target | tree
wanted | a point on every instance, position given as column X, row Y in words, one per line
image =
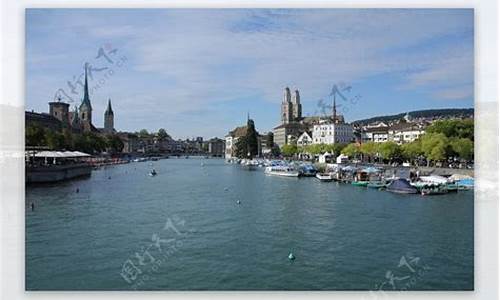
column 463, row 148
column 35, row 136
column 453, row 128
column 411, row 151
column 289, row 150
column 434, row 146
column 114, row 143
column 369, row 149
column 54, row 140
column 389, row 150
column 351, row 150
column 162, row 134
column 143, row 133
column 247, row 146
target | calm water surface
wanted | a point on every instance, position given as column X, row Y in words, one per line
column 343, row 237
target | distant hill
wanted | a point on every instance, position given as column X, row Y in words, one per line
column 428, row 113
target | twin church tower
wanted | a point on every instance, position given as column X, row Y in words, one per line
column 291, row 109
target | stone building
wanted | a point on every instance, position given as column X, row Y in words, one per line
column 216, row 147
column 78, row 120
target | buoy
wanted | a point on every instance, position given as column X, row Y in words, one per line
column 32, row 206
column 238, row 202
column 226, row 189
column 77, row 190
column 291, row 256
column 109, row 177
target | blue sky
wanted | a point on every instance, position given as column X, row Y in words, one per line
column 197, row 72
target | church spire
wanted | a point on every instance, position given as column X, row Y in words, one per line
column 109, row 110
column 334, row 109
column 86, row 98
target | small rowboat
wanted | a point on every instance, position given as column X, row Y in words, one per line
column 360, row 183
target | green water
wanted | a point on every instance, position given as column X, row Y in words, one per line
column 343, row 237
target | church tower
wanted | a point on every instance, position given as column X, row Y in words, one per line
column 286, row 107
column 297, row 107
column 109, row 119
column 85, row 113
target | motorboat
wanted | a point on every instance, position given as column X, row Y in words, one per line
column 324, row 177
column 285, row 171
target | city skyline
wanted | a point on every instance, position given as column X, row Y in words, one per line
column 199, row 75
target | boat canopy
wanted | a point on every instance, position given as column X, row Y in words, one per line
column 434, row 179
column 401, row 185
column 457, row 177
column 371, row 170
column 349, row 169
column 59, row 154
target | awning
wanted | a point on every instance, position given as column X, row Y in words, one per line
column 59, row 154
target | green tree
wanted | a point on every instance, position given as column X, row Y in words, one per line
column 411, row 151
column 247, row 146
column 54, row 140
column 463, row 148
column 35, row 136
column 162, row 134
column 143, row 133
column 389, row 150
column 114, row 143
column 453, row 128
column 434, row 146
column 289, row 150
column 352, row 150
column 369, row 149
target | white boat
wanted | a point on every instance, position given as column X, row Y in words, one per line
column 282, row 171
column 324, row 176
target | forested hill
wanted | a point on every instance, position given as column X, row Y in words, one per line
column 428, row 113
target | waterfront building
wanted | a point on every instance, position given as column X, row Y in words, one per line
column 405, row 132
column 216, row 147
column 232, row 138
column 332, row 133
column 305, row 139
column 377, row 134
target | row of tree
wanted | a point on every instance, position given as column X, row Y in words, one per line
column 442, row 140
column 68, row 140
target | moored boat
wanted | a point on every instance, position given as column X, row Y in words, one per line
column 324, row 177
column 434, row 190
column 376, row 184
column 401, row 186
column 360, row 183
column 285, row 171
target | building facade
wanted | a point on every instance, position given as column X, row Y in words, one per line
column 216, row 147
column 305, row 139
column 332, row 133
column 405, row 132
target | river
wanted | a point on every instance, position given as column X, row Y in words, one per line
column 201, row 224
